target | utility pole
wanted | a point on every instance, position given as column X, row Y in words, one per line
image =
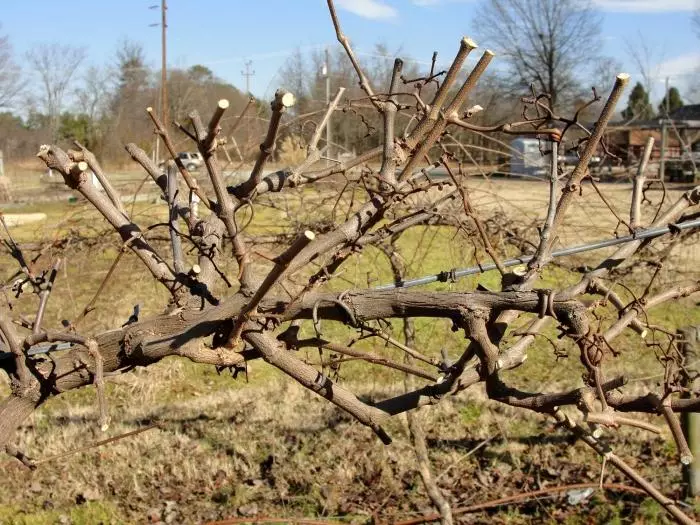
column 163, row 71
column 163, row 66
column 247, row 74
column 326, row 73
column 662, row 162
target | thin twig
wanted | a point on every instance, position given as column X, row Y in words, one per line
column 313, row 154
column 89, row 307
column 621, row 465
column 44, row 294
column 638, row 185
column 282, row 262
column 282, row 101
column 365, row 356
column 189, row 180
column 97, row 444
column 364, row 81
column 87, row 155
column 469, row 210
column 523, row 497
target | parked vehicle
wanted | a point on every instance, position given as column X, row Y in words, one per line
column 527, row 160
column 192, row 161
column 680, row 170
column 571, row 159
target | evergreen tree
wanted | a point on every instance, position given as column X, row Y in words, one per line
column 638, row 106
column 674, row 101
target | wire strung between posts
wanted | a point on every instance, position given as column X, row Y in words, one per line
column 36, row 350
column 454, row 274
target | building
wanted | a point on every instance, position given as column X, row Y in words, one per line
column 626, row 140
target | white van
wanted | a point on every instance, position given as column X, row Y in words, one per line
column 526, row 159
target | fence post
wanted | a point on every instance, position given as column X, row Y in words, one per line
column 689, row 337
column 5, row 190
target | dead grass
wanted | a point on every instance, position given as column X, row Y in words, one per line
column 274, row 447
column 268, row 447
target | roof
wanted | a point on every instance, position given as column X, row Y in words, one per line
column 689, row 112
column 687, row 117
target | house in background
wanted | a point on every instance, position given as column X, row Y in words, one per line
column 627, row 140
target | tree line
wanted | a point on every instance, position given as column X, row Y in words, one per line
column 57, row 98
column 549, row 48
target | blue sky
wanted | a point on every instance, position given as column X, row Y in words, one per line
column 222, row 34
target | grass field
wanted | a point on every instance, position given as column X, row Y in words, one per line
column 262, row 446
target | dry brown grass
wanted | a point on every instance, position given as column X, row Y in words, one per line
column 274, row 448
column 228, row 447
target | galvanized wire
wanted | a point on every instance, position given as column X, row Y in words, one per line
column 455, row 274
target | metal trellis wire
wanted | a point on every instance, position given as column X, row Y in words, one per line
column 455, row 274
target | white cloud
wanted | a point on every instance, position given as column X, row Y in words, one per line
column 681, row 66
column 431, row 3
column 646, row 6
column 683, row 72
column 373, row 9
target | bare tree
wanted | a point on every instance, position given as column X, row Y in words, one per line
column 543, row 42
column 93, row 97
column 258, row 312
column 10, row 74
column 646, row 58
column 55, row 65
column 93, row 94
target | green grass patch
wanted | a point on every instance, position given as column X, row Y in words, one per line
column 89, row 513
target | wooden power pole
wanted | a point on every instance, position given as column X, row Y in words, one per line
column 664, row 122
column 164, row 67
column 248, row 73
column 328, row 100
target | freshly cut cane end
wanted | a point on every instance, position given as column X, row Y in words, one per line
column 223, row 103
column 468, row 42
column 288, row 100
column 104, row 423
column 520, row 271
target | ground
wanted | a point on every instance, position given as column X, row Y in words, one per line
column 260, row 445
